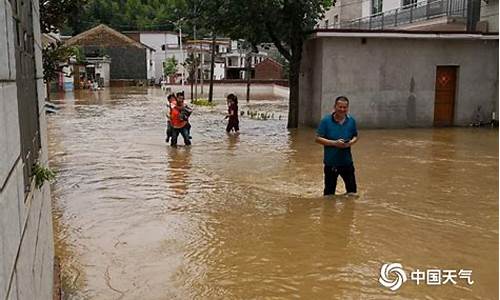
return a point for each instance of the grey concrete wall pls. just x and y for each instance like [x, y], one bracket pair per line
[489, 13]
[311, 83]
[391, 82]
[126, 62]
[26, 243]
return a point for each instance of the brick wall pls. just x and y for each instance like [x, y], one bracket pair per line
[268, 69]
[26, 243]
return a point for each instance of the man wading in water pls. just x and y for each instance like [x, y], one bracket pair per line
[180, 124]
[337, 133]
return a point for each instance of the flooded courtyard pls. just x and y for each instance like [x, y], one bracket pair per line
[243, 217]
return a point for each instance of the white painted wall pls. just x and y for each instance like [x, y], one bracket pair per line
[390, 4]
[156, 40]
[219, 71]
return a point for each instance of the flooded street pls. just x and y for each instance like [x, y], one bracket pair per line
[243, 217]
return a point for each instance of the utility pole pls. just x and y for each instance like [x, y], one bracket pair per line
[212, 67]
[201, 67]
[165, 60]
[248, 72]
[196, 66]
[182, 58]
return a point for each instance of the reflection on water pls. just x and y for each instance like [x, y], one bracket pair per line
[239, 217]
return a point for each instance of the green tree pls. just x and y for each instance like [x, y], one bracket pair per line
[170, 66]
[190, 65]
[54, 13]
[53, 56]
[285, 23]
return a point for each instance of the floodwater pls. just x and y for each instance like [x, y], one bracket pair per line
[243, 217]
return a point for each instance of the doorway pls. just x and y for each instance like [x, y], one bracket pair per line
[444, 101]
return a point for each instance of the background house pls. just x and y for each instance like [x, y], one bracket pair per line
[400, 79]
[236, 60]
[130, 61]
[268, 69]
[167, 44]
[429, 15]
[202, 49]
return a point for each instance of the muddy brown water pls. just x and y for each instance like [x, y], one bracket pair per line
[243, 217]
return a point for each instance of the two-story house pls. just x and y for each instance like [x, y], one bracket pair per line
[236, 58]
[167, 44]
[423, 15]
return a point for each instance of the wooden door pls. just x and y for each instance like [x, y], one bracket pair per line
[444, 103]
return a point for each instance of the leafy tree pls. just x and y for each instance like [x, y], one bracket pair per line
[53, 56]
[191, 64]
[170, 67]
[285, 23]
[54, 13]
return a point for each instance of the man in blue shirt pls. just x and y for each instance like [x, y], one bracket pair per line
[337, 133]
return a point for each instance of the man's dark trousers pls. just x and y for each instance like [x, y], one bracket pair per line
[331, 175]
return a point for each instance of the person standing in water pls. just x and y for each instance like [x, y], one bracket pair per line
[180, 124]
[232, 114]
[337, 132]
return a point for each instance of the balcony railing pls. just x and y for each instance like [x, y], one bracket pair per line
[414, 12]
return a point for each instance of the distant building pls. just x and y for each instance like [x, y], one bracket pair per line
[167, 44]
[236, 60]
[203, 50]
[130, 61]
[268, 69]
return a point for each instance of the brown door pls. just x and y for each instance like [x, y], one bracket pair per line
[446, 79]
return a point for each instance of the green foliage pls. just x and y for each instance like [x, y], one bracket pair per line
[54, 13]
[52, 57]
[42, 174]
[202, 102]
[127, 15]
[170, 67]
[284, 23]
[191, 63]
[79, 55]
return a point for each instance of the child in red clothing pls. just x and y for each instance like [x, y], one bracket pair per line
[172, 102]
[232, 114]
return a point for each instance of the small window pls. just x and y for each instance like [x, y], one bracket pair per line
[409, 3]
[377, 6]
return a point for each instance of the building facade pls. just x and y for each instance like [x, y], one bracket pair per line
[26, 239]
[167, 44]
[427, 15]
[236, 60]
[129, 60]
[202, 49]
[400, 79]
[268, 69]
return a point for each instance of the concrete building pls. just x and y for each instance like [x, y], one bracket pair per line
[167, 44]
[400, 79]
[131, 61]
[236, 58]
[428, 15]
[26, 242]
[203, 50]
